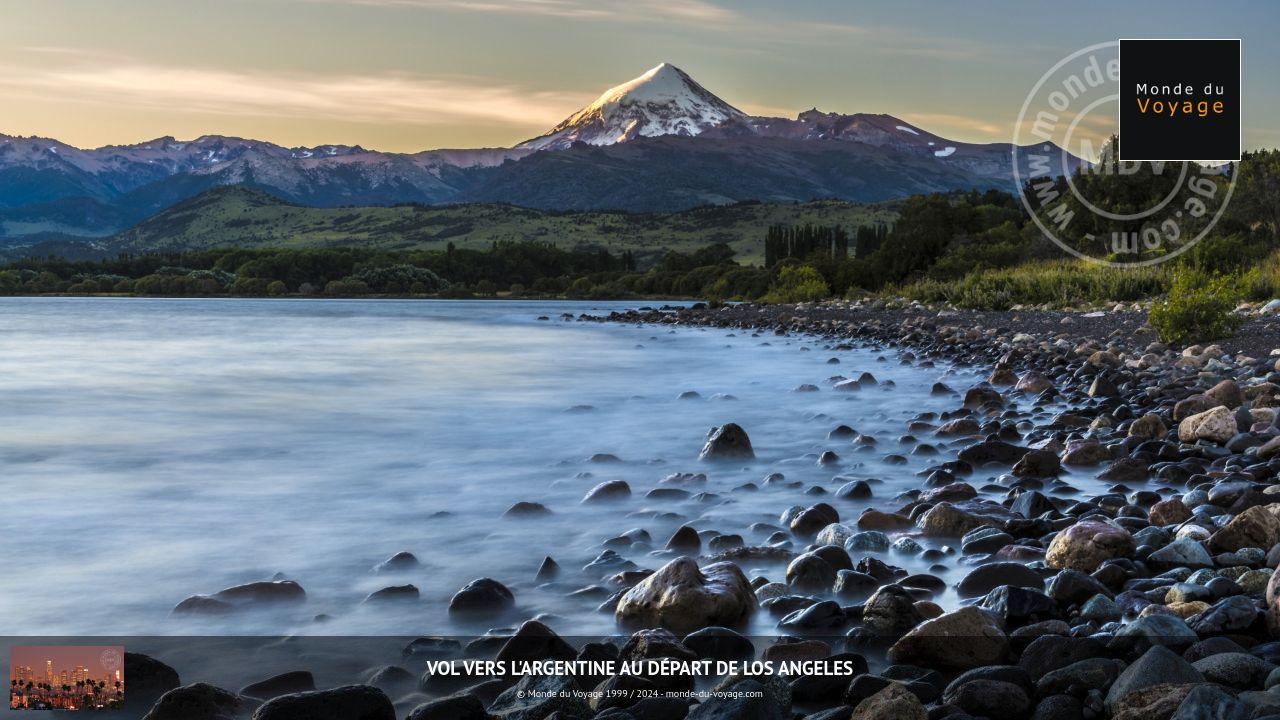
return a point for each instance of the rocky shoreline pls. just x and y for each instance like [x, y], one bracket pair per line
[1151, 599]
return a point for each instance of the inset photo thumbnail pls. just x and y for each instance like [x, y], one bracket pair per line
[66, 677]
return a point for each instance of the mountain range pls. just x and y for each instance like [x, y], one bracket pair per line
[658, 143]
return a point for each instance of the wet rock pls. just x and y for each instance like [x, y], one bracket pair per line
[548, 570]
[947, 520]
[958, 640]
[685, 539]
[1085, 545]
[148, 680]
[1038, 464]
[825, 615]
[1208, 702]
[867, 541]
[1148, 427]
[392, 594]
[249, 595]
[810, 573]
[1033, 383]
[1181, 553]
[1235, 669]
[834, 534]
[995, 699]
[282, 684]
[1047, 653]
[535, 641]
[1080, 677]
[1157, 701]
[879, 520]
[719, 643]
[456, 707]
[527, 509]
[727, 442]
[351, 702]
[682, 597]
[854, 585]
[1072, 587]
[890, 611]
[198, 702]
[1226, 393]
[992, 452]
[894, 702]
[812, 519]
[400, 562]
[1228, 615]
[1169, 512]
[1085, 452]
[484, 596]
[1157, 666]
[537, 697]
[1217, 425]
[1256, 527]
[1017, 606]
[979, 395]
[986, 578]
[610, 490]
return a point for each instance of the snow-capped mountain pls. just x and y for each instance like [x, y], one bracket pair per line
[663, 101]
[658, 143]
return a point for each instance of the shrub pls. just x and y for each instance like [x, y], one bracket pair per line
[798, 283]
[346, 287]
[277, 288]
[398, 277]
[1197, 308]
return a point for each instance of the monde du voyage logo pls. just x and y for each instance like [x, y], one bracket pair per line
[1125, 151]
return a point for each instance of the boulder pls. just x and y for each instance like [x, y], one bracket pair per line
[727, 442]
[986, 578]
[351, 702]
[682, 597]
[484, 596]
[1085, 545]
[1256, 527]
[608, 491]
[890, 612]
[197, 702]
[1157, 666]
[894, 702]
[539, 696]
[958, 640]
[1217, 425]
[1148, 427]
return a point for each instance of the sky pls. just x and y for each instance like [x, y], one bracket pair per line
[410, 75]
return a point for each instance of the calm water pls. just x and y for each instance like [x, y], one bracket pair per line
[155, 449]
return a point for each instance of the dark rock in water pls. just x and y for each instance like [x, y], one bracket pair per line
[842, 432]
[685, 539]
[608, 458]
[1059, 707]
[959, 640]
[1157, 666]
[826, 615]
[854, 490]
[254, 594]
[527, 509]
[994, 699]
[1080, 677]
[1235, 669]
[352, 702]
[1207, 702]
[810, 573]
[683, 597]
[393, 680]
[608, 491]
[197, 702]
[890, 612]
[1050, 652]
[535, 641]
[992, 451]
[1032, 504]
[719, 643]
[985, 578]
[400, 562]
[854, 585]
[1158, 629]
[727, 442]
[1085, 545]
[484, 596]
[812, 519]
[979, 395]
[393, 593]
[1102, 387]
[548, 570]
[1125, 470]
[282, 684]
[148, 680]
[1003, 673]
[1038, 464]
[1020, 606]
[1232, 614]
[456, 707]
[537, 697]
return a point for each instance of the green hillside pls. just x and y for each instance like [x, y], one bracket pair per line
[242, 217]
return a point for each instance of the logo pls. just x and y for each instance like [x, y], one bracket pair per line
[110, 659]
[1082, 196]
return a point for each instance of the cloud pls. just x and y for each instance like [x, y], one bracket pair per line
[621, 10]
[385, 98]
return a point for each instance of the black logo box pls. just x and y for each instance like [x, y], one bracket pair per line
[1186, 64]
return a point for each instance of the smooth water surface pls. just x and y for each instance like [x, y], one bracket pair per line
[156, 449]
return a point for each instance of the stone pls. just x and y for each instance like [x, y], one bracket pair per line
[890, 611]
[1206, 702]
[148, 680]
[535, 641]
[1157, 666]
[834, 534]
[1169, 512]
[958, 640]
[1085, 452]
[719, 643]
[894, 702]
[608, 491]
[484, 596]
[1079, 677]
[746, 698]
[1216, 425]
[456, 707]
[727, 442]
[682, 597]
[351, 702]
[995, 699]
[992, 451]
[946, 520]
[985, 578]
[536, 697]
[400, 562]
[1236, 669]
[282, 684]
[810, 573]
[1226, 393]
[1038, 463]
[1256, 527]
[810, 520]
[1181, 553]
[198, 701]
[1086, 544]
[1033, 383]
[1148, 427]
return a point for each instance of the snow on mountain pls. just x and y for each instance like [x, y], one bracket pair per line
[663, 101]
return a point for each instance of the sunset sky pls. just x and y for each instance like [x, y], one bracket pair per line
[407, 75]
